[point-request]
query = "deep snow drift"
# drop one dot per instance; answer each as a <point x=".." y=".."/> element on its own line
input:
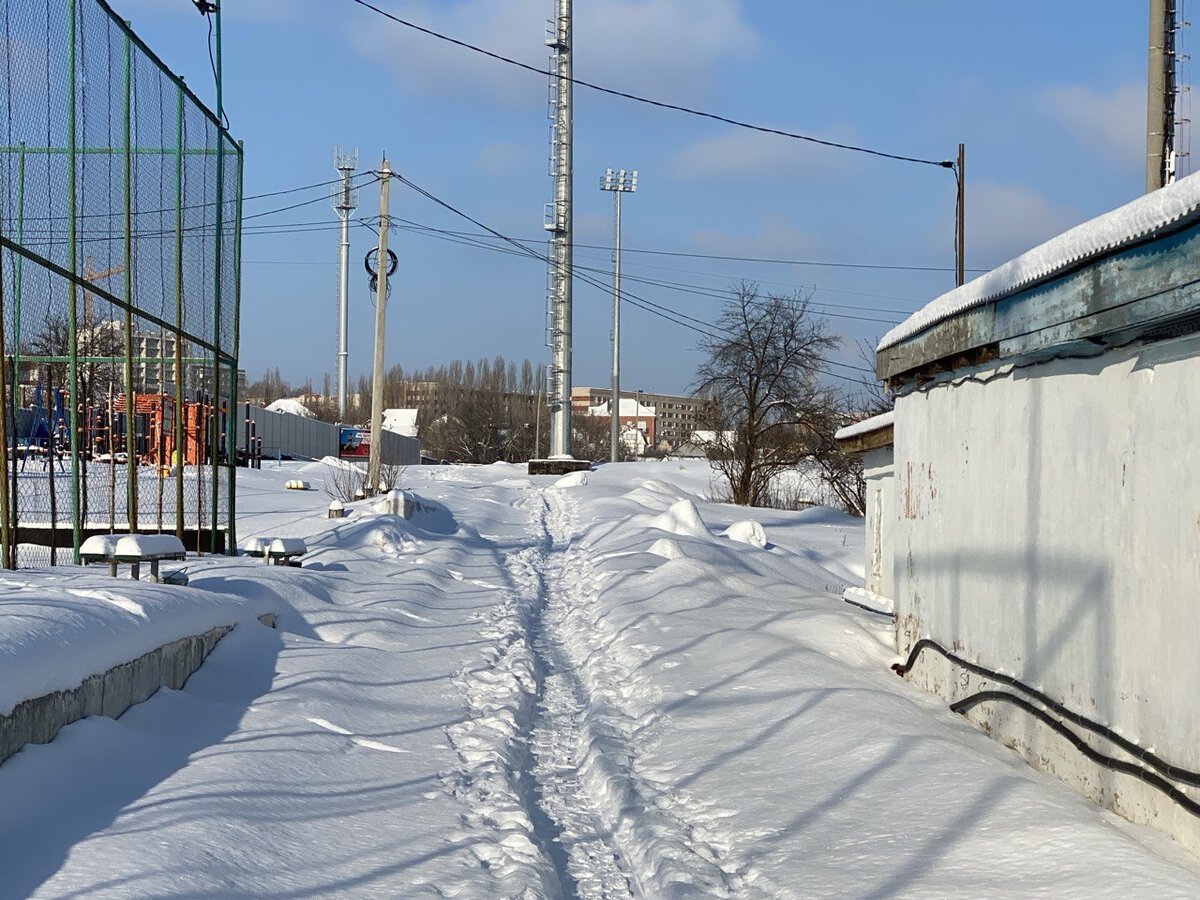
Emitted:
<point x="600" y="687"/>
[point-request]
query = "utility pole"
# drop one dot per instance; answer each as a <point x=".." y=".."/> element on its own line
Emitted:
<point x="345" y="201"/>
<point x="559" y="224"/>
<point x="1160" y="97"/>
<point x="619" y="182"/>
<point x="960" y="244"/>
<point x="382" y="267"/>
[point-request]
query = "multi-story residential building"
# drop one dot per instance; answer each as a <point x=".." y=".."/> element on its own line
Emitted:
<point x="675" y="416"/>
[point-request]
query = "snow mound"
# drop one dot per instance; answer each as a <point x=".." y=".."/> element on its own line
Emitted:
<point x="575" y="479"/>
<point x="681" y="518"/>
<point x="747" y="532"/>
<point x="291" y="407"/>
<point x="667" y="549"/>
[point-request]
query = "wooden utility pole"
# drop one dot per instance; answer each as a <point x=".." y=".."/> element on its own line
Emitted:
<point x="1160" y="95"/>
<point x="960" y="245"/>
<point x="381" y="286"/>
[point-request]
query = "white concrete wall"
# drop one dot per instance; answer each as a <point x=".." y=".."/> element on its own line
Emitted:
<point x="291" y="435"/>
<point x="881" y="512"/>
<point x="1048" y="526"/>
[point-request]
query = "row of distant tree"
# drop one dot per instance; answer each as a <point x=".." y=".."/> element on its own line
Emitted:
<point x="766" y="365"/>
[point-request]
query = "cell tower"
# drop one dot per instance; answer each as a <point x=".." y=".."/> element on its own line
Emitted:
<point x="558" y="223"/>
<point x="345" y="201"/>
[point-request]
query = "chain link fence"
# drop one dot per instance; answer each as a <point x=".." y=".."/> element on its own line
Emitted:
<point x="120" y="211"/>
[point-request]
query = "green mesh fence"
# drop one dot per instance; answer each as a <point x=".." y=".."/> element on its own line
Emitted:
<point x="119" y="267"/>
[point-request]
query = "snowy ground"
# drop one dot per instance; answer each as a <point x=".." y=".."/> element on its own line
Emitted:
<point x="585" y="690"/>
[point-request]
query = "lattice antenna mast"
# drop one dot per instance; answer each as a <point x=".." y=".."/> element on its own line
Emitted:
<point x="345" y="201"/>
<point x="1182" y="147"/>
<point x="558" y="223"/>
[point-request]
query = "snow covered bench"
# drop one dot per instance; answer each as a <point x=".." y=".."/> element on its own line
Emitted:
<point x="281" y="551"/>
<point x="133" y="549"/>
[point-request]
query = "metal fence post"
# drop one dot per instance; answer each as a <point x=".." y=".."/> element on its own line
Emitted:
<point x="180" y="433"/>
<point x="131" y="463"/>
<point x="18" y="268"/>
<point x="72" y="311"/>
<point x="230" y="432"/>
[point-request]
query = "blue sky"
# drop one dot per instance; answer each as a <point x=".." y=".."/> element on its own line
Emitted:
<point x="1048" y="97"/>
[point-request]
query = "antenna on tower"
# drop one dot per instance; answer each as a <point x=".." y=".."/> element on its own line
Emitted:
<point x="344" y="202"/>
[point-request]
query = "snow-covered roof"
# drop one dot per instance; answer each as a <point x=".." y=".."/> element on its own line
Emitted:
<point x="401" y="421"/>
<point x="866" y="426"/>
<point x="629" y="407"/>
<point x="1146" y="217"/>
<point x="703" y="438"/>
<point x="292" y="407"/>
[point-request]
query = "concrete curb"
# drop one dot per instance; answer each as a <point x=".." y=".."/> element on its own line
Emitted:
<point x="38" y="720"/>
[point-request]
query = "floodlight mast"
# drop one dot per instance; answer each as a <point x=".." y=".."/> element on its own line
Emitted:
<point x="618" y="182"/>
<point x="345" y="201"/>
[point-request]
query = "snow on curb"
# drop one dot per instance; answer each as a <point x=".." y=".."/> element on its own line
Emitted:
<point x="58" y="630"/>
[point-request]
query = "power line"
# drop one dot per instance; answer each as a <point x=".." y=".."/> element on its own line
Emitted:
<point x="751" y="259"/>
<point x="469" y="240"/>
<point x="944" y="164"/>
<point x="664" y="312"/>
<point x="230" y="202"/>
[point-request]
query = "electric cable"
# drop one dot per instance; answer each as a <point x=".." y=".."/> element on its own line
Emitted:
<point x="1146" y="756"/>
<point x="944" y="164"/>
<point x="1117" y="765"/>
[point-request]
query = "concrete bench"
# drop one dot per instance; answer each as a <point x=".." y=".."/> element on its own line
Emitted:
<point x="134" y="550"/>
<point x="281" y="551"/>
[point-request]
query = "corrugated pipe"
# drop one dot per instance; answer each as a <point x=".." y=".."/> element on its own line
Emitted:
<point x="1150" y="759"/>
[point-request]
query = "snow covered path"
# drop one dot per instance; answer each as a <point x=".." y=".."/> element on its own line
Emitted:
<point x="573" y="691"/>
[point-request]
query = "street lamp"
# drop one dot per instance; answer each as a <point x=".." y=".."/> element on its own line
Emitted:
<point x="618" y="182"/>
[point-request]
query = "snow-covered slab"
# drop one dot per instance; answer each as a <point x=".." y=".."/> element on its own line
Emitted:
<point x="256" y="546"/>
<point x="1149" y="216"/>
<point x="99" y="546"/>
<point x="149" y="546"/>
<point x="288" y="547"/>
<point x="58" y="629"/>
<point x="866" y="426"/>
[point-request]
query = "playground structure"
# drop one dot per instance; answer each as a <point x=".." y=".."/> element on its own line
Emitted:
<point x="120" y="245"/>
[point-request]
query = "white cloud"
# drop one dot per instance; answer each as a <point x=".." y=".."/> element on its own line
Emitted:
<point x="660" y="47"/>
<point x="775" y="238"/>
<point x="1112" y="123"/>
<point x="750" y="154"/>
<point x="1004" y="220"/>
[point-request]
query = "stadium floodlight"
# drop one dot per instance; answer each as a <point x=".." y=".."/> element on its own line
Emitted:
<point x="618" y="181"/>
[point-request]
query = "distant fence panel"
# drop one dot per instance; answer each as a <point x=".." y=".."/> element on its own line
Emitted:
<point x="289" y="436"/>
<point x="120" y="247"/>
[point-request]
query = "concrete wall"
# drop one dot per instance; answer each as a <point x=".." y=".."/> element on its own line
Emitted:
<point x="881" y="510"/>
<point x="1048" y="526"/>
<point x="295" y="436"/>
<point x="38" y="720"/>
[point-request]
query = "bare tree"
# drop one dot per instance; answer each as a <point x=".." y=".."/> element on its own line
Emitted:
<point x="762" y="370"/>
<point x="842" y="472"/>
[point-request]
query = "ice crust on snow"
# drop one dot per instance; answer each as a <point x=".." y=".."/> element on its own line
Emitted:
<point x="1149" y="216"/>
